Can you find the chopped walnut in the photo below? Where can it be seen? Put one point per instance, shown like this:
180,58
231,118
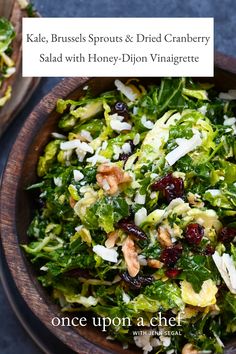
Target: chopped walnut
189,349
194,199
110,177
164,237
154,263
111,239
131,256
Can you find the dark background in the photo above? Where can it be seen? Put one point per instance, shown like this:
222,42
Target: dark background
13,338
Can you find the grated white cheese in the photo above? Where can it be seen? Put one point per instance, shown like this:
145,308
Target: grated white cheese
136,139
97,158
202,110
147,123
74,144
135,110
153,195
147,342
230,95
140,216
58,136
142,260
126,298
104,145
213,192
119,126
80,154
86,135
226,267
230,122
165,341
57,181
44,268
77,175
140,198
117,151
126,90
108,254
126,148
184,147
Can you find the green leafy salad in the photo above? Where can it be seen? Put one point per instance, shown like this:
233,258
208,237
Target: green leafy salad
7,65
136,216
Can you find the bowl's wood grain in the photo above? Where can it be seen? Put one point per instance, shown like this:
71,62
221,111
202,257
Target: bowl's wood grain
16,208
22,87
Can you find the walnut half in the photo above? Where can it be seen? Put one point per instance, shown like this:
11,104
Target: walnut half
110,178
131,256
164,237
189,349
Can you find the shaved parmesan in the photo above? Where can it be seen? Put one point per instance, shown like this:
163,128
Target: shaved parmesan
140,198
126,90
108,254
57,181
140,216
230,121
213,192
184,147
119,126
96,158
58,135
126,148
147,123
86,135
226,267
74,144
202,110
78,175
126,298
136,139
230,95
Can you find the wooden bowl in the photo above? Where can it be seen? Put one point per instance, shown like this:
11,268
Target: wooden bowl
16,205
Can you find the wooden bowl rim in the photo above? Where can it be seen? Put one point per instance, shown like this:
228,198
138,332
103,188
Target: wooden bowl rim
8,193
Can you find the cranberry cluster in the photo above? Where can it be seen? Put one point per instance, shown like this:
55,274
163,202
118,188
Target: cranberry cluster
129,226
171,187
138,281
227,234
194,233
170,255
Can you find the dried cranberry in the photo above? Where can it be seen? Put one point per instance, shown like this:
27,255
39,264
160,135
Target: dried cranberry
121,109
170,255
227,234
172,273
171,187
132,229
124,157
194,233
138,281
209,250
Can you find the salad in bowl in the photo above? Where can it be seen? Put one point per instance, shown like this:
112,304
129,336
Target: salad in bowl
136,214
